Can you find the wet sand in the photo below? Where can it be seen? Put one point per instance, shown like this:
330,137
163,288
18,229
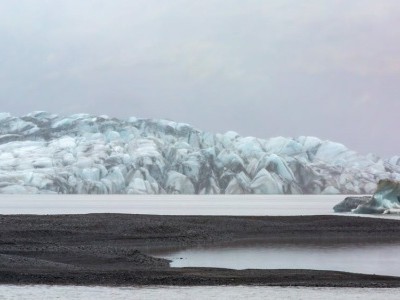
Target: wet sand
112,249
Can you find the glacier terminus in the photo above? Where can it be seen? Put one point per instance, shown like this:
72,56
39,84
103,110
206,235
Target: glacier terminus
86,154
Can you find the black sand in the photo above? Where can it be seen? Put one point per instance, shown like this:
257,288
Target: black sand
110,249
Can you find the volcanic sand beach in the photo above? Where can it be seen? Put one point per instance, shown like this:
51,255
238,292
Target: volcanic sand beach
111,249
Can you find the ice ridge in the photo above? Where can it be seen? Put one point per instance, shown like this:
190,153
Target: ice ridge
81,153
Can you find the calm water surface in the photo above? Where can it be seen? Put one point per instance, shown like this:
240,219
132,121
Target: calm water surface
177,293
250,205
381,259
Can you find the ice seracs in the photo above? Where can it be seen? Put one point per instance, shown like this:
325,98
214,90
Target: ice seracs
47,153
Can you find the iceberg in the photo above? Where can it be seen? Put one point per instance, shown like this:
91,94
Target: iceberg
349,204
82,153
385,200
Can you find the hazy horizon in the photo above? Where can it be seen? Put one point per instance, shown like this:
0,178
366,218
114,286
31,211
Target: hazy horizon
261,68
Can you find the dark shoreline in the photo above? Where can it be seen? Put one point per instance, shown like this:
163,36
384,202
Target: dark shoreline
110,249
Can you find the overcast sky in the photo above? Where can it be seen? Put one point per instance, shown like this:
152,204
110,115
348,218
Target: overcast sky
327,68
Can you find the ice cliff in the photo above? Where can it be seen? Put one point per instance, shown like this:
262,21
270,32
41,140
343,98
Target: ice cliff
81,153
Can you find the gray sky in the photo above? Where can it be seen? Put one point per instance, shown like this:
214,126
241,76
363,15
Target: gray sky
328,68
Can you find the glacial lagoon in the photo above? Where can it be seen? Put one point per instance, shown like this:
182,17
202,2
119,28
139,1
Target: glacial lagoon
234,205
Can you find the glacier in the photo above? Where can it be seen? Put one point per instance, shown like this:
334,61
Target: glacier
43,152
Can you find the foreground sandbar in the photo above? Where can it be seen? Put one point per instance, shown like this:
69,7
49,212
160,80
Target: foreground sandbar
110,249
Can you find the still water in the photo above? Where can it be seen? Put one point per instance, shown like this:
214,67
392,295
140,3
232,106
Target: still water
380,259
14,292
44,292
244,205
